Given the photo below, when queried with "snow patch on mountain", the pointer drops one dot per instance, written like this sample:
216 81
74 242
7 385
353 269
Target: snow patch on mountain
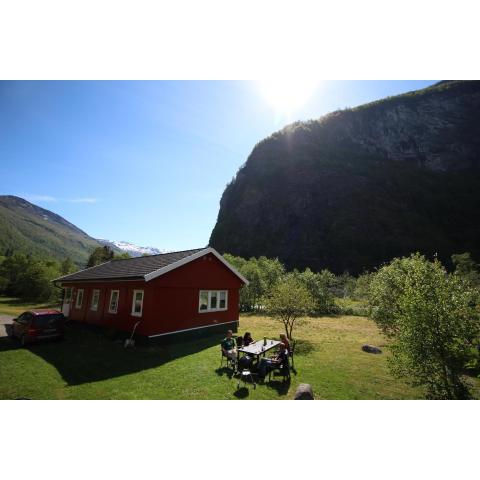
131 248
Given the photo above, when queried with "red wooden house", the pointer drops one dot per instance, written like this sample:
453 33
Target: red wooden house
192 290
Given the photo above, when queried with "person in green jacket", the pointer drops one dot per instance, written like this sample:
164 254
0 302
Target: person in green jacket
229 348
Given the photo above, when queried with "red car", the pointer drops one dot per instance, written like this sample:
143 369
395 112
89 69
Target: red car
38 325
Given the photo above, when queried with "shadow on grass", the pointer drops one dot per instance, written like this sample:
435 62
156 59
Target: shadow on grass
242 392
7 343
89 356
303 347
281 386
224 371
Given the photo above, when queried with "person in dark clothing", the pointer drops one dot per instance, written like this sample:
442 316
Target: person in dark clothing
267 364
247 339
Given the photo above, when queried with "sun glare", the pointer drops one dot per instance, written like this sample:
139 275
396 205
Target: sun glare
287 95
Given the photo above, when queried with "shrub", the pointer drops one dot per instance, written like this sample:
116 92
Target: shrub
430 316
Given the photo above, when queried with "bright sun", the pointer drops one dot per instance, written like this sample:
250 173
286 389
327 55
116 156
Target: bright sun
287 95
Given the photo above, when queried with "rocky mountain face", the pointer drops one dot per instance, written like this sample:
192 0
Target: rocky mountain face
361 186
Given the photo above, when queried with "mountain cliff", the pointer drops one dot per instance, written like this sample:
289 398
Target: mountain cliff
359 186
27 228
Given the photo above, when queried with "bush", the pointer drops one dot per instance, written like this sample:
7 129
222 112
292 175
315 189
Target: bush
430 316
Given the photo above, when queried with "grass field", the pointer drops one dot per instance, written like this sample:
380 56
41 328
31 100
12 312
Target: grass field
13 306
89 365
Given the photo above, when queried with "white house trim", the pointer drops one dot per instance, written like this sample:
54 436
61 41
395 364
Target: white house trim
190 258
133 313
110 301
193 328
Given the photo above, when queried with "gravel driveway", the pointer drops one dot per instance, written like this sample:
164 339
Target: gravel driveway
4 320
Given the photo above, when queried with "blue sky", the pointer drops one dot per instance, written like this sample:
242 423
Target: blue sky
147 162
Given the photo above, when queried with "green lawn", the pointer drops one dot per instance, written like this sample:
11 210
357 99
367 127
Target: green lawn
14 306
89 365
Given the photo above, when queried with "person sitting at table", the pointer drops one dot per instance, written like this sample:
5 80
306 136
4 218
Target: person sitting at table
267 364
229 347
247 339
285 341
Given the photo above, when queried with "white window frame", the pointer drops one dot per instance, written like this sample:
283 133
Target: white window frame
77 303
209 296
134 313
110 302
94 307
68 295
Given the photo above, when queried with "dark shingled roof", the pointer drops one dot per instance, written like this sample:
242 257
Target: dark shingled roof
129 268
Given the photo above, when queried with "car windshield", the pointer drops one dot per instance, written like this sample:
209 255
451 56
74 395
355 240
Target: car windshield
47 320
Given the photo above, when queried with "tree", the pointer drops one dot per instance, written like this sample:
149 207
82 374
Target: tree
29 278
262 273
125 255
431 318
35 283
362 286
319 286
100 255
289 300
466 267
67 266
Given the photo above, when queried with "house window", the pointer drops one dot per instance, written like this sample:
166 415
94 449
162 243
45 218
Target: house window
79 301
68 295
212 300
95 299
137 304
222 300
203 301
113 305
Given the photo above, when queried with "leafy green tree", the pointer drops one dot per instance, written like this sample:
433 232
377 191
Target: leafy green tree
262 273
467 268
319 286
29 278
35 283
288 301
362 286
67 266
343 285
11 269
431 318
100 255
124 255
271 271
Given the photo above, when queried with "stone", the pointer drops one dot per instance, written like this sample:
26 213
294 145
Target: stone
304 392
371 349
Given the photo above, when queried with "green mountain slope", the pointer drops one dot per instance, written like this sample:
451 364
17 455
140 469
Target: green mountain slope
27 228
358 187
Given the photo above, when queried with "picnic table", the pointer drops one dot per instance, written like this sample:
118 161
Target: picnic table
257 348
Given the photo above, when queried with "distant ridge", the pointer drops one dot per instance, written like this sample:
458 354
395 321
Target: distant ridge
28 228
